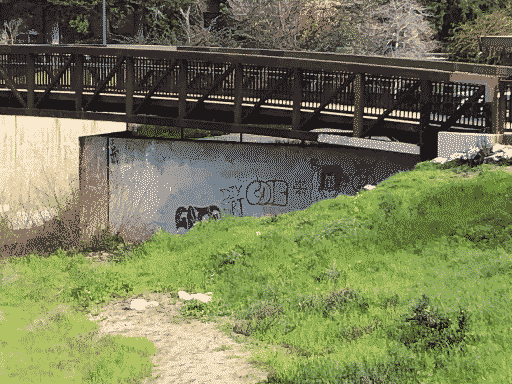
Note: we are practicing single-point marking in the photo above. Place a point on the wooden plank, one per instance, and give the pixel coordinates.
(297, 98)
(182, 86)
(359, 100)
(488, 70)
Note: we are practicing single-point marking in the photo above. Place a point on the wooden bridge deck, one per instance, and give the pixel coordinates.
(440, 96)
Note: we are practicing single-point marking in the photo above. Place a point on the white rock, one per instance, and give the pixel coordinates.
(477, 155)
(198, 296)
(141, 304)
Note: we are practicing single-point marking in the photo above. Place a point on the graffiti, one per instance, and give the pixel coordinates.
(328, 181)
(264, 193)
(114, 155)
(270, 192)
(233, 200)
(186, 218)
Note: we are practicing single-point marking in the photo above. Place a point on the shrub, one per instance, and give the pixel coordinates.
(464, 45)
(427, 329)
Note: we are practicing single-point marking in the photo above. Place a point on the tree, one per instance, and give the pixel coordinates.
(464, 46)
(18, 16)
(11, 31)
(447, 16)
(397, 29)
(270, 24)
(379, 27)
(86, 18)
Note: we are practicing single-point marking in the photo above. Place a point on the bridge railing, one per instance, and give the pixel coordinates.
(277, 78)
(381, 90)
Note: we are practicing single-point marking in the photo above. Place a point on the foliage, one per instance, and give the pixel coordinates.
(465, 42)
(446, 17)
(157, 16)
(395, 28)
(11, 30)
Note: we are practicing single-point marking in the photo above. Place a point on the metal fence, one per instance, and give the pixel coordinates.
(381, 91)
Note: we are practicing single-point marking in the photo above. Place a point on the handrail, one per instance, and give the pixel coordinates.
(482, 69)
(325, 62)
(292, 66)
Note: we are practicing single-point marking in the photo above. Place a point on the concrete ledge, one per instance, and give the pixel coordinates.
(380, 143)
(453, 142)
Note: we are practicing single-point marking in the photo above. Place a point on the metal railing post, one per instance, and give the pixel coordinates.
(359, 101)
(78, 85)
(297, 99)
(428, 140)
(239, 95)
(31, 81)
(182, 89)
(129, 85)
(498, 111)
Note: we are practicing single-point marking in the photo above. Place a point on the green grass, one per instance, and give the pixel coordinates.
(407, 283)
(194, 134)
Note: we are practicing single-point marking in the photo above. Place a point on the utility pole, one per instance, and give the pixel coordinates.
(104, 25)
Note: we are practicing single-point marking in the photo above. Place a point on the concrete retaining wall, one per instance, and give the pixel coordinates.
(151, 183)
(33, 146)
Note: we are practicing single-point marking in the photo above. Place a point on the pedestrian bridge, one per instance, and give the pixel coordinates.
(245, 90)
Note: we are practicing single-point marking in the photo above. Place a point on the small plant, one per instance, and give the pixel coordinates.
(260, 317)
(342, 300)
(427, 329)
(391, 301)
(330, 275)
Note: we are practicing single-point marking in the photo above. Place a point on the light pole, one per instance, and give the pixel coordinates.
(104, 25)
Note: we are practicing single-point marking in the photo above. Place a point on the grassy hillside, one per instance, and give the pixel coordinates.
(407, 283)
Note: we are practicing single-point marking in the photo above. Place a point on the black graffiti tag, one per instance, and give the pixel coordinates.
(271, 192)
(187, 217)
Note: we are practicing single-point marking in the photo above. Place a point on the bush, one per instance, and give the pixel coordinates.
(427, 329)
(464, 45)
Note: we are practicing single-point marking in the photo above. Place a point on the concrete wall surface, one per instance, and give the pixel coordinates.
(171, 184)
(453, 142)
(42, 153)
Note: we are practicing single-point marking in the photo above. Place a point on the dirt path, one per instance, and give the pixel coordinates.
(188, 351)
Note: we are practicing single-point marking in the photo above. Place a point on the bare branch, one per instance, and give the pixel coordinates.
(403, 33)
(368, 27)
(11, 31)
